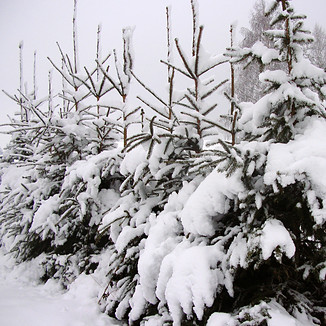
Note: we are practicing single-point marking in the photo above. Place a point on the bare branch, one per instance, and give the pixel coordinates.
(149, 90)
(184, 60)
(174, 67)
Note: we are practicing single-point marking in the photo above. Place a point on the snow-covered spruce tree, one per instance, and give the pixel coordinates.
(53, 208)
(156, 166)
(17, 203)
(280, 211)
(244, 242)
(248, 87)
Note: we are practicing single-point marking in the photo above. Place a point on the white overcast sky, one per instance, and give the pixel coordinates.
(41, 23)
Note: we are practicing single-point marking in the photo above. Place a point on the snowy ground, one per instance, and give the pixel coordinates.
(30, 304)
(25, 302)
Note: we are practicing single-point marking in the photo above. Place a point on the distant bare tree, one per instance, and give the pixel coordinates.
(317, 50)
(248, 87)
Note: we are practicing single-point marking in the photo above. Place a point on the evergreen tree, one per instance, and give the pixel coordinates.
(293, 104)
(248, 87)
(66, 158)
(158, 162)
